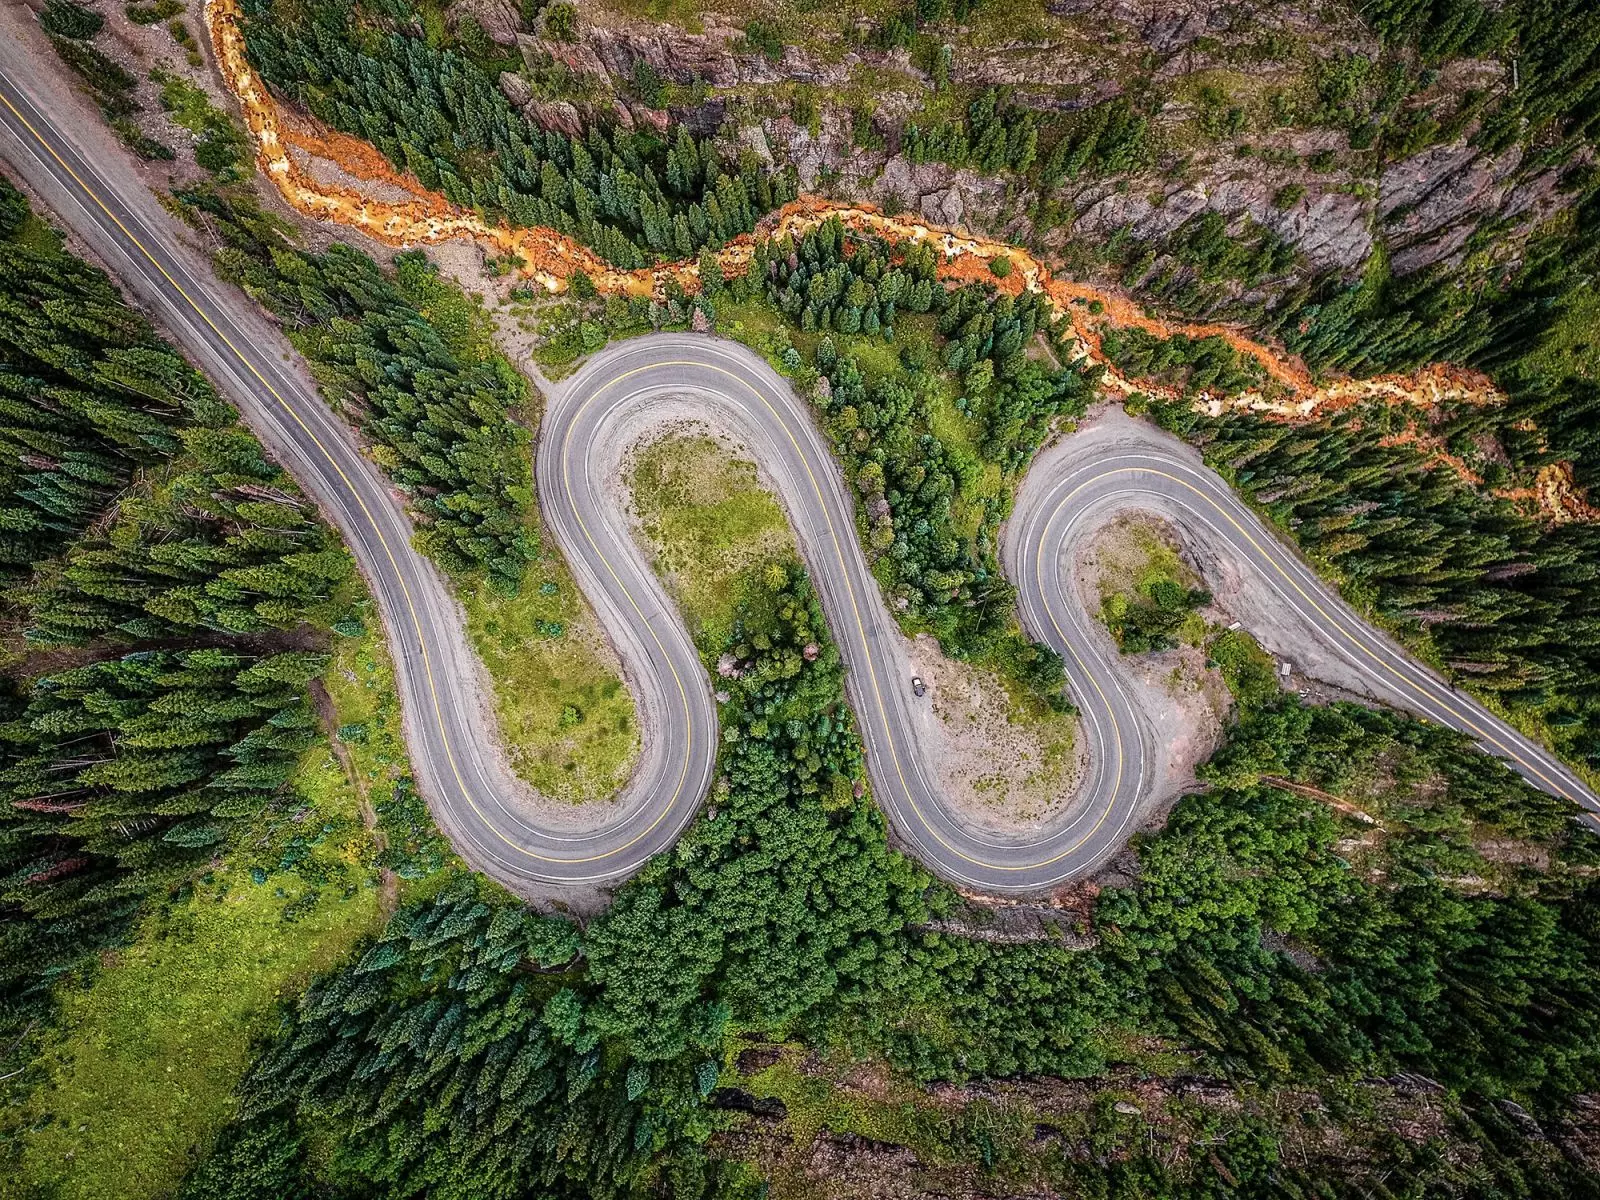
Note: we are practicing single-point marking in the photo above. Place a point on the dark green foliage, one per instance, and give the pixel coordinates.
(415, 848)
(450, 1066)
(441, 117)
(1108, 139)
(69, 19)
(960, 1008)
(909, 482)
(221, 147)
(1497, 323)
(149, 14)
(1486, 990)
(87, 392)
(1208, 267)
(223, 543)
(125, 777)
(253, 1160)
(1556, 44)
(404, 359)
(788, 895)
(760, 36)
(828, 282)
(1151, 622)
(108, 83)
(1474, 1150)
(561, 22)
(471, 1052)
(449, 1061)
(1187, 365)
(122, 778)
(996, 136)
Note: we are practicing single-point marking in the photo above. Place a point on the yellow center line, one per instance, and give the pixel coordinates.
(909, 793)
(416, 622)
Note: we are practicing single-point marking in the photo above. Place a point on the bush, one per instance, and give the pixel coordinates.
(561, 22)
(758, 35)
(1289, 195)
(64, 18)
(1000, 267)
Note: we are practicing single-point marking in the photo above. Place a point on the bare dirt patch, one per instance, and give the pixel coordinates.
(998, 765)
(1185, 700)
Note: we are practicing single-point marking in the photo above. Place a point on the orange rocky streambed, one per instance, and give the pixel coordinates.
(411, 215)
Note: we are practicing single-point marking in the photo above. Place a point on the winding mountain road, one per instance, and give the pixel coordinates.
(85, 178)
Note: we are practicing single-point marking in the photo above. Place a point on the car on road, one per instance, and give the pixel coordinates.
(918, 688)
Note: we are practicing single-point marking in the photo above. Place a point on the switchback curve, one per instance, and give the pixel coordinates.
(473, 796)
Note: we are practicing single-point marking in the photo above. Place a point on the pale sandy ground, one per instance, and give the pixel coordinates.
(1187, 703)
(1000, 770)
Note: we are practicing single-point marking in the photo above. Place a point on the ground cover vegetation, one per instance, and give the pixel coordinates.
(1486, 310)
(933, 437)
(1512, 301)
(438, 113)
(72, 29)
(171, 603)
(404, 356)
(1272, 935)
(138, 1071)
(1340, 904)
(1149, 597)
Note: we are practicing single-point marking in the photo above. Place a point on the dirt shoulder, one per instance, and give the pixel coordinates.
(1000, 766)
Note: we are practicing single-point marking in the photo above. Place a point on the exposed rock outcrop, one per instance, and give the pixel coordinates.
(1425, 208)
(500, 19)
(1431, 203)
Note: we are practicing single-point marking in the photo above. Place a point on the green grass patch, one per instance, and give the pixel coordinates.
(143, 1073)
(221, 147)
(567, 719)
(821, 1096)
(1141, 578)
(1572, 345)
(712, 527)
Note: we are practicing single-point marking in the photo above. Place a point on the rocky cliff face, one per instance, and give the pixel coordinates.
(1424, 208)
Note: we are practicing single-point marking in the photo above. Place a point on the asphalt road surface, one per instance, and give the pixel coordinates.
(84, 177)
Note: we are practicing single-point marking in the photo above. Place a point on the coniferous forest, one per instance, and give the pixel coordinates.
(632, 196)
(1357, 959)
(171, 582)
(476, 1050)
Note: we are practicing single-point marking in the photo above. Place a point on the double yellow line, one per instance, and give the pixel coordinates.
(399, 576)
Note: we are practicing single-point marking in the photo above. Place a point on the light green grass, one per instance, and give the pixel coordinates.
(711, 526)
(1134, 554)
(153, 1048)
(360, 681)
(567, 719)
(1572, 346)
(826, 1096)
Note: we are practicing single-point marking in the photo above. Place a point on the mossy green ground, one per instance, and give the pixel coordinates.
(566, 718)
(712, 527)
(1135, 553)
(151, 1050)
